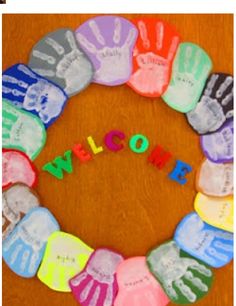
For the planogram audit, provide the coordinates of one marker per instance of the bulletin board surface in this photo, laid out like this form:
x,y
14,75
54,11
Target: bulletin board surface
x,y
117,200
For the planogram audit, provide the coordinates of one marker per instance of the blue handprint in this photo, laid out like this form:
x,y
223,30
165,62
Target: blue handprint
x,y
26,89
203,241
23,249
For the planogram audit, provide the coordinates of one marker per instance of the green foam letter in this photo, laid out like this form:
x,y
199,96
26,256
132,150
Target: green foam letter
x,y
59,164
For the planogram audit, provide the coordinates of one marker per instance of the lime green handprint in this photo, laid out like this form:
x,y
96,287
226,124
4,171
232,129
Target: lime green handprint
x,y
22,130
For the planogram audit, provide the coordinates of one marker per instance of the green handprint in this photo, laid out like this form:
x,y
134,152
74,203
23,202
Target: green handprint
x,y
191,68
22,130
184,278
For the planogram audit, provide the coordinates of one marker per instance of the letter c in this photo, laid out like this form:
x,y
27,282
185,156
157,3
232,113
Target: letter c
x,y
109,140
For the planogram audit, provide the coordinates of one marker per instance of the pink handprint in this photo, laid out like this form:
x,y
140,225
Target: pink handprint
x,y
96,285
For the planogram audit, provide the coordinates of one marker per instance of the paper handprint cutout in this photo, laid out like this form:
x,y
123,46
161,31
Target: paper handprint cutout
x,y
108,41
215,179
205,242
16,202
137,286
22,130
64,257
190,70
23,249
215,105
17,168
218,212
153,56
58,57
27,90
184,279
97,284
218,146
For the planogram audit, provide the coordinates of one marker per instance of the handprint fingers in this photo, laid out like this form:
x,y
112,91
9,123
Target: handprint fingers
x,y
190,71
184,279
143,34
108,41
58,57
23,249
96,284
96,32
217,212
27,90
130,40
215,105
218,146
156,46
86,44
204,242
159,35
65,256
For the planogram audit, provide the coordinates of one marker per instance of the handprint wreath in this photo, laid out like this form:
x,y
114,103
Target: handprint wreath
x,y
101,51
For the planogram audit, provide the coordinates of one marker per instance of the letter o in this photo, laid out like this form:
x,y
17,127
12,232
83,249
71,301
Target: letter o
x,y
143,146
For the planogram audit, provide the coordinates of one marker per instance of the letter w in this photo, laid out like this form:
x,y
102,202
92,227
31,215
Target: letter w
x,y
59,164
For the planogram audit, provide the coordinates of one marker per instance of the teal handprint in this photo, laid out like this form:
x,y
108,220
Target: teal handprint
x,y
22,130
190,70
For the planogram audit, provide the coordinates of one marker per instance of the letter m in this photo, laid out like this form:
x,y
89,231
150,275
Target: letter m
x,y
159,157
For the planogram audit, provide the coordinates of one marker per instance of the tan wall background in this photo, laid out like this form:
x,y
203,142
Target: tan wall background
x,y
117,200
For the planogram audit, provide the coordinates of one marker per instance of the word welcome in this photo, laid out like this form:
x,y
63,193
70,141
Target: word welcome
x,y
114,141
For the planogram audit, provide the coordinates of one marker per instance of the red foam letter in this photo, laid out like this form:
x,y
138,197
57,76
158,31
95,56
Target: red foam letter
x,y
82,155
159,157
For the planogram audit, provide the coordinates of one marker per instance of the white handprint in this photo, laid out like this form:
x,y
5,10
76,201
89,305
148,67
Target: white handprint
x,y
191,67
172,270
207,244
114,61
17,200
41,96
98,278
153,73
208,116
29,238
73,67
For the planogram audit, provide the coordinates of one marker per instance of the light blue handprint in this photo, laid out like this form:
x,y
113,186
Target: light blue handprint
x,y
205,242
23,249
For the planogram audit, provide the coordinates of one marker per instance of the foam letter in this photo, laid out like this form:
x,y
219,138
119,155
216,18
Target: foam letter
x,y
159,157
111,145
93,145
55,167
179,172
82,155
143,146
